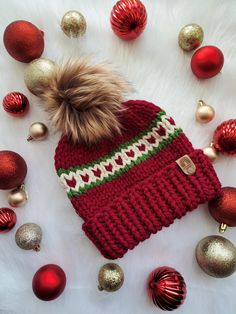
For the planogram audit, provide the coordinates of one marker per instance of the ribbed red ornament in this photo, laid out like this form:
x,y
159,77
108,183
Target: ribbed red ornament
x,y
7,219
224,139
128,19
166,288
16,104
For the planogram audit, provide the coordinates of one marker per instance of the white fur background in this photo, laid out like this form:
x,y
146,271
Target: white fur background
x,y
160,72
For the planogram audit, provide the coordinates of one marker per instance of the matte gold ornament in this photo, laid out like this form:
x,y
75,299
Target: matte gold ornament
x,y
204,113
110,277
73,24
38,74
18,197
190,37
211,152
37,132
216,256
29,236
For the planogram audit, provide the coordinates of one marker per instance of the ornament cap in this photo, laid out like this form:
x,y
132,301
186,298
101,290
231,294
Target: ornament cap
x,y
222,228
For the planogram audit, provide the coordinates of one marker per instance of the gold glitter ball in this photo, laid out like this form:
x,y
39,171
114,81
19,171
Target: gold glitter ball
x,y
73,24
190,37
29,236
110,277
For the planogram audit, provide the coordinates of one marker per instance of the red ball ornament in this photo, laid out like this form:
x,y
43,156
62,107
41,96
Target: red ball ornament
x,y
23,41
16,104
166,288
13,170
7,219
224,138
207,61
128,19
49,282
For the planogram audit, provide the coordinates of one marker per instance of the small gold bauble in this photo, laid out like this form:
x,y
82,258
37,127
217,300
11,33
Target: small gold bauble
x,y
190,37
38,74
73,24
110,277
211,152
204,113
29,236
18,197
37,132
216,256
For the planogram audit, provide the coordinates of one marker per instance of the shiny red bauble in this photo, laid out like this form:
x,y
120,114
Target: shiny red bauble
x,y
224,138
13,170
49,282
207,61
128,19
7,219
23,41
166,288
16,104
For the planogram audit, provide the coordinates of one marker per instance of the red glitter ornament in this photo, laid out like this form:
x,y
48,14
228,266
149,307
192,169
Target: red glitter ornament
x,y
49,282
166,288
224,138
7,219
23,41
128,19
16,104
207,61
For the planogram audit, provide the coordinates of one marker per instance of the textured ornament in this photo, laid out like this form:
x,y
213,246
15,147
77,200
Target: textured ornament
x,y
13,170
110,277
211,152
216,256
166,288
18,197
73,24
39,73
7,219
16,104
190,37
204,113
128,19
223,208
23,41
37,132
49,282
29,236
207,61
224,138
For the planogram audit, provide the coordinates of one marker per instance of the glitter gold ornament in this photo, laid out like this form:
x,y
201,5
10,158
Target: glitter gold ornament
x,y
7,219
211,152
190,37
37,132
110,277
204,113
216,256
29,236
18,197
73,24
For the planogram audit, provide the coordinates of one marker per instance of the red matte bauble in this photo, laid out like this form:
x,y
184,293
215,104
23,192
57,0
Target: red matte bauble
x,y
16,104
7,219
128,19
207,61
224,138
166,288
23,41
13,170
49,282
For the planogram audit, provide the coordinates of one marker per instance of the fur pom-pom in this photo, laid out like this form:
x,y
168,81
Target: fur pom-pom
x,y
84,101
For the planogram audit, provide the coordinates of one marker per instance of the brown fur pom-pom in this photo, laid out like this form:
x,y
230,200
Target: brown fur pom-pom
x,y
84,101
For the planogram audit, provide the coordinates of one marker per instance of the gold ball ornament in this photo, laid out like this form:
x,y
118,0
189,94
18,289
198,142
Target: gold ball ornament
x,y
18,197
190,37
37,132
38,74
211,152
204,113
216,256
29,236
73,24
110,277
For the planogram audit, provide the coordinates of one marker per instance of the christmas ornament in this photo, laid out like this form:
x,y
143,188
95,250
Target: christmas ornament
x,y
13,170
49,282
166,288
211,152
73,24
128,19
205,113
190,37
38,74
37,132
207,61
110,277
29,236
224,138
216,256
16,104
23,41
223,208
18,197
7,219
